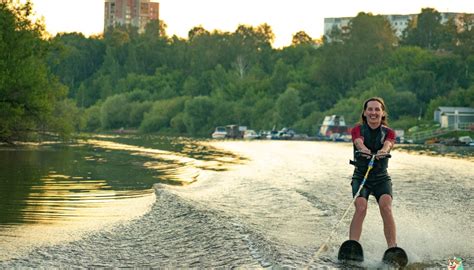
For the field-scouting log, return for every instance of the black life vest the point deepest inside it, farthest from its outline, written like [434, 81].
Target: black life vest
[361, 162]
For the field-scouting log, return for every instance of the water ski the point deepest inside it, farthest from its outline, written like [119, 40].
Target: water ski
[395, 256]
[351, 250]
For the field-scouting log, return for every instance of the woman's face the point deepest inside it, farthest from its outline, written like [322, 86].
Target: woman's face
[374, 113]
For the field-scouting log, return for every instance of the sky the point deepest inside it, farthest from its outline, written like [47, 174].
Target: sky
[285, 17]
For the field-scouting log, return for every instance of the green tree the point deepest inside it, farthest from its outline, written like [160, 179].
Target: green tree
[310, 124]
[350, 108]
[465, 46]
[137, 113]
[456, 98]
[280, 77]
[177, 123]
[155, 29]
[301, 38]
[449, 35]
[67, 118]
[197, 31]
[191, 87]
[287, 108]
[263, 113]
[74, 58]
[197, 115]
[28, 91]
[465, 36]
[160, 116]
[368, 43]
[425, 31]
[92, 117]
[114, 112]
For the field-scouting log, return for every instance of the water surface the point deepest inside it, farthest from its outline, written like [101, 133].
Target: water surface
[266, 204]
[54, 193]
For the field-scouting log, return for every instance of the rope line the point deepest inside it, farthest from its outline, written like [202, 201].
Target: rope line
[324, 246]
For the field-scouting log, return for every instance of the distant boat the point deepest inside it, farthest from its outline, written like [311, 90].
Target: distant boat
[229, 131]
[250, 134]
[219, 133]
[334, 127]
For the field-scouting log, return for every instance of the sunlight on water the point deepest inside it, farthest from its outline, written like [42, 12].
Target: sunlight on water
[62, 208]
[177, 168]
[42, 207]
[63, 198]
[50, 206]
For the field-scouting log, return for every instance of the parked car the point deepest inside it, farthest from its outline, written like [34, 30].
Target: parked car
[272, 135]
[465, 139]
[250, 134]
[286, 134]
[219, 133]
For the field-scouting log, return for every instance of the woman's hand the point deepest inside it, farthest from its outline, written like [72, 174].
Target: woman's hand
[381, 153]
[359, 144]
[366, 152]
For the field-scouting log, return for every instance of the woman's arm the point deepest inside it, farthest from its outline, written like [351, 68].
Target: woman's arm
[387, 146]
[359, 144]
[389, 142]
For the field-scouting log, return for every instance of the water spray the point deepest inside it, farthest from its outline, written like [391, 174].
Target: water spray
[324, 246]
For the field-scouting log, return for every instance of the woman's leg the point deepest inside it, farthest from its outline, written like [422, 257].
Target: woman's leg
[389, 229]
[356, 225]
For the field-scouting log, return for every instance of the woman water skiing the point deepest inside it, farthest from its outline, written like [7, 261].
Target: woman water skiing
[373, 136]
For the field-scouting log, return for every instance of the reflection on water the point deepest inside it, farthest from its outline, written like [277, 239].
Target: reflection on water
[61, 197]
[51, 193]
[175, 167]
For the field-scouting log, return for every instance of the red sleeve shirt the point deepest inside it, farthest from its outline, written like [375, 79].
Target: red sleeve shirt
[391, 135]
[355, 133]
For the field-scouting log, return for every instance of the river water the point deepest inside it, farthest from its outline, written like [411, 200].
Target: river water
[173, 202]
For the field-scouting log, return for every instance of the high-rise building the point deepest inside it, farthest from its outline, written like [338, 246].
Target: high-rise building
[130, 12]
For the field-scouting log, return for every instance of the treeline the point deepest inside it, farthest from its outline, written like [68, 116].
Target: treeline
[156, 83]
[31, 97]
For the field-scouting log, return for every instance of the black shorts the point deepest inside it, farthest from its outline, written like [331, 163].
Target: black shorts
[377, 184]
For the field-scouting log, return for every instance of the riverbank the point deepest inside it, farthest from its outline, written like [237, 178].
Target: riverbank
[462, 152]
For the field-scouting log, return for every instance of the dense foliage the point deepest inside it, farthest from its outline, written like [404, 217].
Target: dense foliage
[30, 96]
[156, 83]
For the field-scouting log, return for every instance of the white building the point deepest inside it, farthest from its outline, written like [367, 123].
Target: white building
[455, 117]
[398, 22]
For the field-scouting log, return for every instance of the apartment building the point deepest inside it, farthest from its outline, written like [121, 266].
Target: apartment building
[130, 12]
[399, 22]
